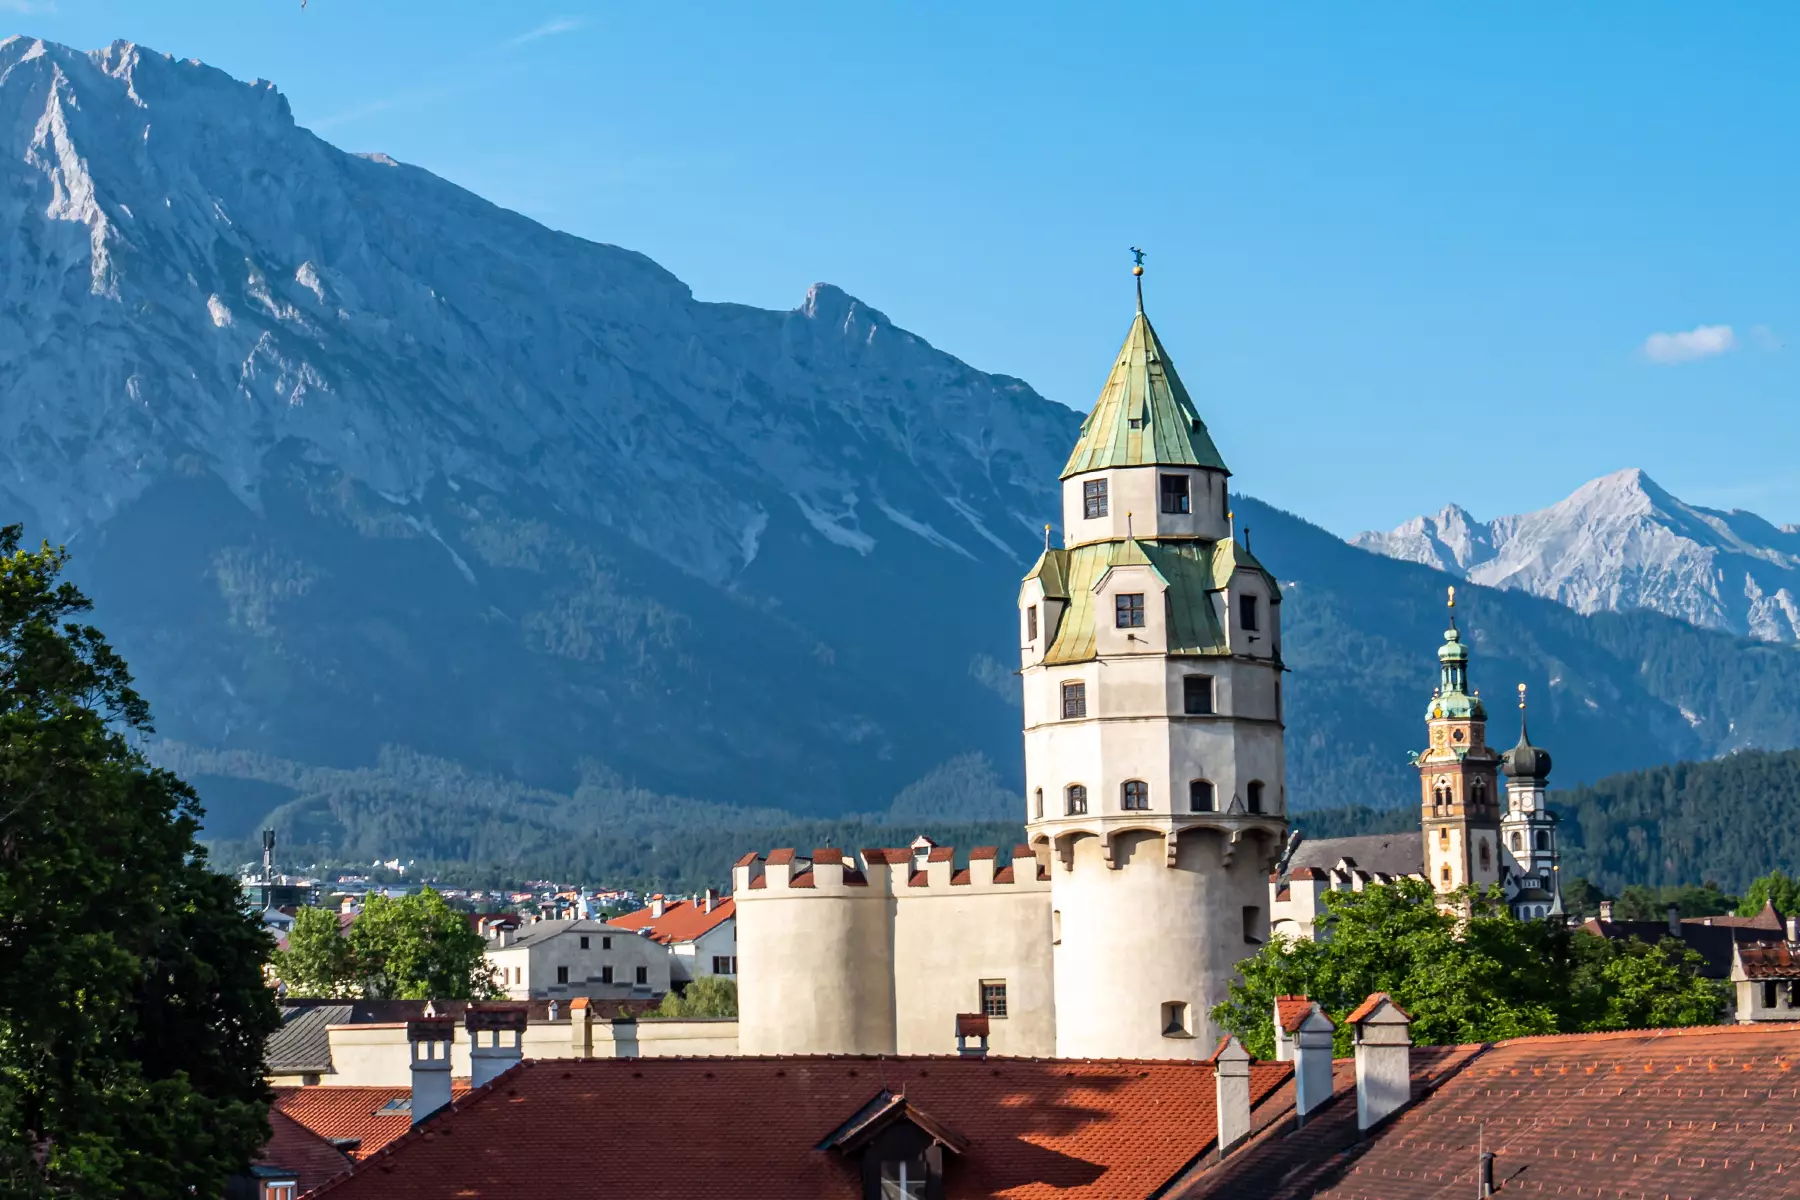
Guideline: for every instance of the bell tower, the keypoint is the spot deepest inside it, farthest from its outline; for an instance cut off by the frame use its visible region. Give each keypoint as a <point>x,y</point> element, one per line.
<point>1458,777</point>
<point>1532,874</point>
<point>1155,779</point>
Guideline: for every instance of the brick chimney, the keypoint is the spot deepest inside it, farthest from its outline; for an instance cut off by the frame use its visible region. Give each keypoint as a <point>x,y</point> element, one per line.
<point>429,1038</point>
<point>496,1038</point>
<point>1606,910</point>
<point>972,1035</point>
<point>1382,1033</point>
<point>1311,1037</point>
<point>1231,1074</point>
<point>1674,915</point>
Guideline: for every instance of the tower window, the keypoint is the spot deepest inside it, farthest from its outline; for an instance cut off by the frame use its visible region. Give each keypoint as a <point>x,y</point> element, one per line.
<point>1253,796</point>
<point>1444,874</point>
<point>1252,924</point>
<point>1076,797</point>
<point>1201,797</point>
<point>993,997</point>
<point>1478,792</point>
<point>1486,858</point>
<point>1128,610</point>
<point>1037,807</point>
<point>1443,839</point>
<point>1518,843</point>
<point>1137,795</point>
<point>1175,497</point>
<point>1031,623</point>
<point>1543,839</point>
<point>1247,616</point>
<point>1197,694</point>
<point>1093,498</point>
<point>1074,700</point>
<point>1177,1020</point>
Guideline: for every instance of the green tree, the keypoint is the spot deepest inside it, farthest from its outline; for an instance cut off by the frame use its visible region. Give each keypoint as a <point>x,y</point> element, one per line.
<point>1479,977</point>
<point>419,948</point>
<point>1777,887</point>
<point>708,996</point>
<point>318,960</point>
<point>133,1009</point>
<point>1641,903</point>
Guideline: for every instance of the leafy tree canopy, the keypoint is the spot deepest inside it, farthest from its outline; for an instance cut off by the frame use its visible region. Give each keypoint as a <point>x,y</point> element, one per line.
<point>707,996</point>
<point>1777,887</point>
<point>133,1009</point>
<point>413,948</point>
<point>1482,979</point>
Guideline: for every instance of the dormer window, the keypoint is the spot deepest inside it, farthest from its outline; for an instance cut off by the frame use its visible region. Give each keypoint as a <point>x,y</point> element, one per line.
<point>1031,623</point>
<point>1093,499</point>
<point>1175,495</point>
<point>1135,422</point>
<point>1247,613</point>
<point>1128,610</point>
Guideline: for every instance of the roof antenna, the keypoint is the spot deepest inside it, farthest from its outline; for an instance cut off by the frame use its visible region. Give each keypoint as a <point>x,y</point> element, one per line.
<point>1246,539</point>
<point>1137,269</point>
<point>1128,532</point>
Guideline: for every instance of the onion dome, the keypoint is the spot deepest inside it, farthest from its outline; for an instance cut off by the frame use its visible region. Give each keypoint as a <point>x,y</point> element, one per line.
<point>1525,761</point>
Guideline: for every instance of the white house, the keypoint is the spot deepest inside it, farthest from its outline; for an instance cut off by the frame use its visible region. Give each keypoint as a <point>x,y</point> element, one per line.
<point>564,959</point>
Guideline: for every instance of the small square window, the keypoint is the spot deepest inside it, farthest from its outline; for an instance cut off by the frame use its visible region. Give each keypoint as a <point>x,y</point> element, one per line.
<point>1074,698</point>
<point>1177,1019</point>
<point>1031,623</point>
<point>1128,610</point>
<point>643,974</point>
<point>1247,613</point>
<point>1093,498</point>
<point>1197,695</point>
<point>1135,422</point>
<point>1076,796</point>
<point>993,997</point>
<point>562,974</point>
<point>1175,495</point>
<point>584,941</point>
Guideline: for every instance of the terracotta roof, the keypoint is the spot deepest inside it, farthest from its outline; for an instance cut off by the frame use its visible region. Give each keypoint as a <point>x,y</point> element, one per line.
<point>942,854</point>
<point>368,1116</point>
<point>1370,1005</point>
<point>682,921</point>
<point>298,1152</point>
<point>748,858</point>
<point>971,1025</point>
<point>1770,960</point>
<point>891,855</point>
<point>1694,1113</point>
<point>984,852</point>
<point>1290,1011</point>
<point>785,855</point>
<point>1033,1129</point>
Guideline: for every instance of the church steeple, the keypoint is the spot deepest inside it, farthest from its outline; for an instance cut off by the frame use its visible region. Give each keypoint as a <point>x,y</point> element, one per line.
<point>1458,777</point>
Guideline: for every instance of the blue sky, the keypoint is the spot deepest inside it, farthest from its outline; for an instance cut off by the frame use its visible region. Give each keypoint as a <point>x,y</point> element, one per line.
<point>1403,254</point>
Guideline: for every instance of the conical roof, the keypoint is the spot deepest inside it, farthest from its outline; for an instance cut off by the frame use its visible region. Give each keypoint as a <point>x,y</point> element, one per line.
<point>1144,416</point>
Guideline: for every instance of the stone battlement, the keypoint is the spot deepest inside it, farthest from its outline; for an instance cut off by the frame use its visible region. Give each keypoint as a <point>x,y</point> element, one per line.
<point>893,870</point>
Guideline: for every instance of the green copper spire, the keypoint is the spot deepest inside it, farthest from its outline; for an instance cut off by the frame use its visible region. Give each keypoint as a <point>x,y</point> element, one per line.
<point>1144,416</point>
<point>1452,698</point>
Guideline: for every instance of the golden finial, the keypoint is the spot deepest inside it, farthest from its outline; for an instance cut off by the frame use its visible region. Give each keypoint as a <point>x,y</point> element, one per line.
<point>1521,695</point>
<point>1046,537</point>
<point>1452,590</point>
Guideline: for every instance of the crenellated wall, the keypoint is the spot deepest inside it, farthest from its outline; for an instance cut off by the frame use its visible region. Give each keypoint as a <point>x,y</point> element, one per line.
<point>876,953</point>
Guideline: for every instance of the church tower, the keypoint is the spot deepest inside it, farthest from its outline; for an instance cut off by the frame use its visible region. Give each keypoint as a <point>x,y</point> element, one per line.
<point>1528,830</point>
<point>1458,777</point>
<point>1155,783</point>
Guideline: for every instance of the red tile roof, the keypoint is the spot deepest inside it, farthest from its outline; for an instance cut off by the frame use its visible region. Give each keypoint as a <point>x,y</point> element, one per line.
<point>1291,1010</point>
<point>785,855</point>
<point>1370,1005</point>
<point>684,920</point>
<point>294,1148</point>
<point>1693,1113</point>
<point>335,1112</point>
<point>1770,960</point>
<point>1033,1129</point>
<point>984,852</point>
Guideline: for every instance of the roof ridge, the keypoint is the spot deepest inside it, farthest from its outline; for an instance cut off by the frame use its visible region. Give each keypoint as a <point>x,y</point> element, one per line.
<point>1656,1034</point>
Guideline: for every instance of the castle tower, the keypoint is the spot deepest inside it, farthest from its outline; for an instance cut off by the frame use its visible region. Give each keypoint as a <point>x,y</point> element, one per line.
<point>1155,785</point>
<point>1528,830</point>
<point>1458,777</point>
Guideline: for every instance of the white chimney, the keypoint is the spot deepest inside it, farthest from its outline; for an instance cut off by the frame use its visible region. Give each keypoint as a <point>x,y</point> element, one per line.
<point>496,1039</point>
<point>1312,1060</point>
<point>712,898</point>
<point>1793,928</point>
<point>1289,1010</point>
<point>1606,910</point>
<point>972,1035</point>
<point>1381,1030</point>
<point>657,907</point>
<point>430,1038</point>
<point>1231,1073</point>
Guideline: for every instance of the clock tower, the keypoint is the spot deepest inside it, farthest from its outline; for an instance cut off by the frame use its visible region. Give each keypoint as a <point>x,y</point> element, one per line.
<point>1458,777</point>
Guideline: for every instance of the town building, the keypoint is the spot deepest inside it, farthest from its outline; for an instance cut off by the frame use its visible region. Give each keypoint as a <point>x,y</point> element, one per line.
<point>1765,976</point>
<point>563,959</point>
<point>700,934</point>
<point>1155,783</point>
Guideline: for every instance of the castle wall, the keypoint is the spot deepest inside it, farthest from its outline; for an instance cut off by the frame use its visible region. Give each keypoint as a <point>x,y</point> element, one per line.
<point>1142,934</point>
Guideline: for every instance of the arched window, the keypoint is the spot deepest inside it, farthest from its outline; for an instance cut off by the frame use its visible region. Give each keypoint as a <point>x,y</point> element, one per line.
<point>1518,843</point>
<point>1076,795</point>
<point>1444,874</point>
<point>1443,839</point>
<point>1037,807</point>
<point>1137,794</point>
<point>1486,858</point>
<point>1253,796</point>
<point>1478,792</point>
<point>1543,839</point>
<point>1201,797</point>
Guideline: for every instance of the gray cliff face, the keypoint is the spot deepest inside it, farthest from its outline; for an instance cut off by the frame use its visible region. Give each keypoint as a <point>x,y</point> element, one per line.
<point>1618,543</point>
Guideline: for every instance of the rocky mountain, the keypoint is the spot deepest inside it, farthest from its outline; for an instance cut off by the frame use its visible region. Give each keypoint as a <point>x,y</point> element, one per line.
<point>433,531</point>
<point>1619,543</point>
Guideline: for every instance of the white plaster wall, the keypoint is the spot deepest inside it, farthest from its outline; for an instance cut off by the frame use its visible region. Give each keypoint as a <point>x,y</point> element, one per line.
<point>1137,490</point>
<point>377,1055</point>
<point>539,960</point>
<point>816,975</point>
<point>1143,934</point>
<point>948,940</point>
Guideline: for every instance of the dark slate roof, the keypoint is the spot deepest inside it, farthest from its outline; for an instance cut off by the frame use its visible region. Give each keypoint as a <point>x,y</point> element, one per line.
<point>300,1045</point>
<point>1713,942</point>
<point>542,931</point>
<point>1382,853</point>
